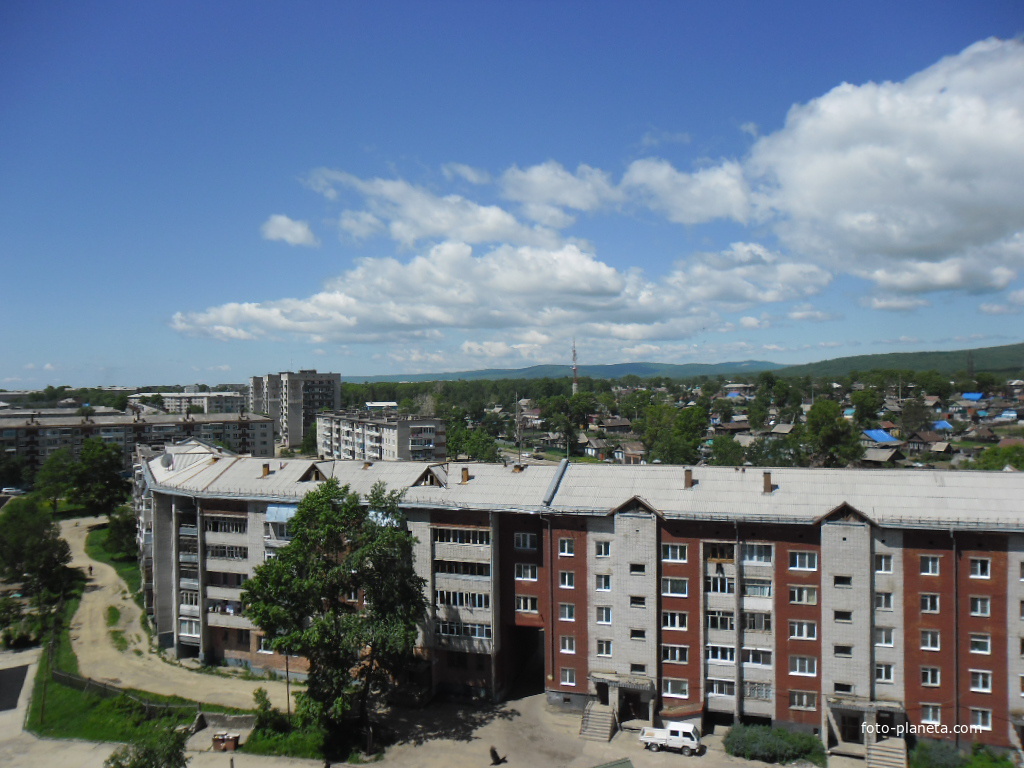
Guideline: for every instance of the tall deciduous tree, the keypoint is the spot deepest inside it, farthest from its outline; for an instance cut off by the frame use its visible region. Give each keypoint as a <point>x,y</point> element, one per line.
<point>53,480</point>
<point>96,478</point>
<point>31,549</point>
<point>300,599</point>
<point>831,438</point>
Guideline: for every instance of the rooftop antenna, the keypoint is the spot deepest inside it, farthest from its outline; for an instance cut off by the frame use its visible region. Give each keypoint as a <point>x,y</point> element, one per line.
<point>519,429</point>
<point>575,369</point>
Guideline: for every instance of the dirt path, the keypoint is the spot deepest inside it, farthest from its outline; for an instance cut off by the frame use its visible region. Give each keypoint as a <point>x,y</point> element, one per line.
<point>139,666</point>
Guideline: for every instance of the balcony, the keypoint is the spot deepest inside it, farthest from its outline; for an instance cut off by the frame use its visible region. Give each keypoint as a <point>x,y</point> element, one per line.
<point>188,557</point>
<point>188,610</point>
<point>188,530</point>
<point>191,584</point>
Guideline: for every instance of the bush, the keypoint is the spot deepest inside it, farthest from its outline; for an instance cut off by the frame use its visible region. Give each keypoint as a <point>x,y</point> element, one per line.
<point>773,745</point>
<point>936,754</point>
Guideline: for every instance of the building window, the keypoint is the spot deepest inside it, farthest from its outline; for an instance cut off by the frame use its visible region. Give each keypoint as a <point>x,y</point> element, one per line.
<point>264,645</point>
<point>638,669</point>
<point>675,587</point>
<point>637,601</point>
<point>981,681</point>
<point>929,565</point>
<point>721,585</point>
<point>757,691</point>
<point>603,582</point>
<point>568,644</point>
<point>981,643</point>
<point>604,614</point>
<point>757,553</point>
<point>526,572</point>
<point>756,621</point>
<point>567,580</point>
<point>721,687</point>
<point>803,630</point>
<point>883,563</point>
<point>806,666</point>
<point>981,568</point>
<point>930,640</point>
<point>673,620</point>
<point>884,636</point>
<point>931,714</point>
<point>637,569</point>
<point>842,581</point>
<point>757,657</point>
<point>883,673</point>
<point>931,676</point>
<point>568,676</point>
<point>929,603</point>
<point>638,634</point>
<point>458,629</point>
<point>803,561</point>
<point>604,647</point>
<point>602,548</point>
<point>803,595</point>
<point>673,553</point>
<point>721,620</point>
<point>757,587</point>
<point>462,536</point>
<point>674,688</point>
<point>462,599</point>
<point>526,604</point>
<point>981,719</point>
<point>566,612</point>
<point>843,651</point>
<point>849,688</point>
<point>676,654</point>
<point>188,627</point>
<point>722,653</point>
<point>843,616</point>
<point>525,540</point>
<point>883,601</point>
<point>803,700</point>
<point>566,548</point>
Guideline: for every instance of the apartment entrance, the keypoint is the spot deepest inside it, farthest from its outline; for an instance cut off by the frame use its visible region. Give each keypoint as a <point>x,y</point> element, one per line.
<point>526,675</point>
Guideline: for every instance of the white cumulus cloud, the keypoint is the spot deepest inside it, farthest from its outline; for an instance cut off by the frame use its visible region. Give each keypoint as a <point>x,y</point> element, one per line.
<point>280,227</point>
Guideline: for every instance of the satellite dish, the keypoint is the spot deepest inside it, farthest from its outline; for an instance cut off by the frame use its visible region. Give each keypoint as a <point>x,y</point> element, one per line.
<point>166,461</point>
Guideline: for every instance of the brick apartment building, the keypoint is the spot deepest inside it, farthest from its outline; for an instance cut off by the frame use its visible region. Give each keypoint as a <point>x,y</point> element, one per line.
<point>380,437</point>
<point>819,599</point>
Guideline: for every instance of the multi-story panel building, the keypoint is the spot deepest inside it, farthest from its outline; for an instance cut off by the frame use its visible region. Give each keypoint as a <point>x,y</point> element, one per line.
<point>824,600</point>
<point>36,437</point>
<point>379,437</point>
<point>203,402</point>
<point>294,399</point>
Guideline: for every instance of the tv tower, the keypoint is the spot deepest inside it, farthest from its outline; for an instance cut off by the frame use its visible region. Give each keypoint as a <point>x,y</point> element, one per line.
<point>575,369</point>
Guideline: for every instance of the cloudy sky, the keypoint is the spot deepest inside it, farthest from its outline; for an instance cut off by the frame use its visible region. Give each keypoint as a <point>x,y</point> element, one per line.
<point>205,192</point>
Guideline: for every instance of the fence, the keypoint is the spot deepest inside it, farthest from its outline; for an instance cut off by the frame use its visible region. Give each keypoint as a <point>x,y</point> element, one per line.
<point>107,691</point>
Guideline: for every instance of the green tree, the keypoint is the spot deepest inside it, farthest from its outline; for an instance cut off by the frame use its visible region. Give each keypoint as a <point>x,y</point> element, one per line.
<point>831,439</point>
<point>122,531</point>
<point>481,446</point>
<point>31,549</point>
<point>778,450</point>
<point>53,480</point>
<point>309,444</point>
<point>96,478</point>
<point>155,748</point>
<point>866,404</point>
<point>914,417</point>
<point>673,436</point>
<point>996,458</point>
<point>726,452</point>
<point>300,599</point>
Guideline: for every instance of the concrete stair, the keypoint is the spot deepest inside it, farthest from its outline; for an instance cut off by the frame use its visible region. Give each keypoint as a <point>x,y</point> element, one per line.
<point>598,722</point>
<point>887,753</point>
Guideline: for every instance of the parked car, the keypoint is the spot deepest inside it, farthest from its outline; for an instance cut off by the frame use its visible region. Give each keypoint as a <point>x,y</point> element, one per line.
<point>682,737</point>
<point>11,492</point>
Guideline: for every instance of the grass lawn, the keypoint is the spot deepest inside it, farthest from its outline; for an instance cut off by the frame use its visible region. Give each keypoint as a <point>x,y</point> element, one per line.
<point>127,567</point>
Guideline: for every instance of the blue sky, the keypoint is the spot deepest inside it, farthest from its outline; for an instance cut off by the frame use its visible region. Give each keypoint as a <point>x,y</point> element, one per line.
<point>201,192</point>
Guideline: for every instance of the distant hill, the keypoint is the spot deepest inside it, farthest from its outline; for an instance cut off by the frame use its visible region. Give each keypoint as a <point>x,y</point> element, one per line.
<point>1005,359</point>
<point>615,371</point>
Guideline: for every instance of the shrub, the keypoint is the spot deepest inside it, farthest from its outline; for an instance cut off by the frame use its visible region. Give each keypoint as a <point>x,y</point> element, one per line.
<point>773,745</point>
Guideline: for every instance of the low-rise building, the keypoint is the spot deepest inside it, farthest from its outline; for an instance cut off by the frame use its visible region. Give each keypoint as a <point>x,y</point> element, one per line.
<point>204,402</point>
<point>380,436</point>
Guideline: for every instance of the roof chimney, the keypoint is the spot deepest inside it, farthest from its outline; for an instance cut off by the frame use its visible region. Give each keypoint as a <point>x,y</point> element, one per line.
<point>690,482</point>
<point>517,468</point>
<point>768,487</point>
<point>465,475</point>
<point>367,464</point>
<point>266,470</point>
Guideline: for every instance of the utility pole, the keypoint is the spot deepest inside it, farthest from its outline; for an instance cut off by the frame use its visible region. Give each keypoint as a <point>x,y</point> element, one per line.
<point>575,369</point>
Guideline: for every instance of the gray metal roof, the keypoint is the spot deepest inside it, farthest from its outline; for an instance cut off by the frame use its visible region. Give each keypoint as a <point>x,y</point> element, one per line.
<point>889,497</point>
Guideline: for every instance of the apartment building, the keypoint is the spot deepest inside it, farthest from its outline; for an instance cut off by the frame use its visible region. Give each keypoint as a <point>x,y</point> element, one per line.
<point>294,399</point>
<point>206,402</point>
<point>819,599</point>
<point>379,437</point>
<point>36,437</point>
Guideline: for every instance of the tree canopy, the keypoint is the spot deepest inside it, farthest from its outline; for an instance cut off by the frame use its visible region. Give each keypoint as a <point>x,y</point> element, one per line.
<point>302,599</point>
<point>31,548</point>
<point>96,481</point>
<point>832,440</point>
